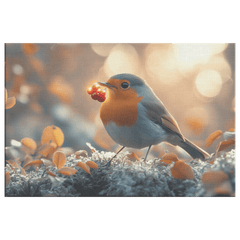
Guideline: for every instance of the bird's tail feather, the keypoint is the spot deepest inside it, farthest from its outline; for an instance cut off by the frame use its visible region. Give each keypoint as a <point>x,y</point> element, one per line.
<point>193,150</point>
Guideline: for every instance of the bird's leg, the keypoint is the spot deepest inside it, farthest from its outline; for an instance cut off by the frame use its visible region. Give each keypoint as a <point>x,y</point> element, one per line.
<point>109,162</point>
<point>147,153</point>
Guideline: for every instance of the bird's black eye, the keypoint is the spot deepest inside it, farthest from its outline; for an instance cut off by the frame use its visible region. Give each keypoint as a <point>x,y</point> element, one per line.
<point>125,85</point>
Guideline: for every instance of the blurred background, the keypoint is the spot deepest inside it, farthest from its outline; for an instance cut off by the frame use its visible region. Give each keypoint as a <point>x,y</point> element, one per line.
<point>196,83</point>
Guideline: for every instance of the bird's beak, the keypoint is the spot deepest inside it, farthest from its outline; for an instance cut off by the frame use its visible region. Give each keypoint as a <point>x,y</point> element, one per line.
<point>106,84</point>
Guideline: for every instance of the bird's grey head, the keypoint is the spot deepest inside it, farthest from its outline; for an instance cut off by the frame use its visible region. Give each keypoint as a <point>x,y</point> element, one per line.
<point>135,81</point>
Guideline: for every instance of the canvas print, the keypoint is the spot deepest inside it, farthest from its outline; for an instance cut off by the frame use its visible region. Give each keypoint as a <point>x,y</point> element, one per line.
<point>120,120</point>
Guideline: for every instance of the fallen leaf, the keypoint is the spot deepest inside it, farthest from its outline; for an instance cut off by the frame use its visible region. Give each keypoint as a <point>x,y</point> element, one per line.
<point>168,158</point>
<point>14,163</point>
<point>133,157</point>
<point>224,188</point>
<point>224,145</point>
<point>7,178</point>
<point>35,162</point>
<point>84,166</point>
<point>47,149</point>
<point>67,171</point>
<point>30,144</point>
<point>181,170</point>
<point>213,137</point>
<point>59,158</point>
<point>54,134</point>
<point>10,102</point>
<point>231,130</point>
<point>214,177</point>
<point>51,174</point>
<point>81,153</point>
<point>92,164</point>
<point>27,159</point>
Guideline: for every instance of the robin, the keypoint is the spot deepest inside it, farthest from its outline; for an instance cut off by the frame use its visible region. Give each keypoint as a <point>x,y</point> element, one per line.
<point>135,117</point>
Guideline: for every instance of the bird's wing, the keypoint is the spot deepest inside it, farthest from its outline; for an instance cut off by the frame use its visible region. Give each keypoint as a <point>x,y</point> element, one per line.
<point>157,112</point>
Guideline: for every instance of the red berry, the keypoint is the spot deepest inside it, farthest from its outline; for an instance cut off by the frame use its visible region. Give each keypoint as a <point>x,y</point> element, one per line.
<point>95,87</point>
<point>94,96</point>
<point>100,99</point>
<point>90,90</point>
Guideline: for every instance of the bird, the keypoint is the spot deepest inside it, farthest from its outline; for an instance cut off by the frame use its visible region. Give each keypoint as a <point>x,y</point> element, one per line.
<point>135,117</point>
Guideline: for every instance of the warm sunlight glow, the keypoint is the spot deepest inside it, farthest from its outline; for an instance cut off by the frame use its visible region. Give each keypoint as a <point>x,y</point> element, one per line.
<point>122,59</point>
<point>102,49</point>
<point>209,83</point>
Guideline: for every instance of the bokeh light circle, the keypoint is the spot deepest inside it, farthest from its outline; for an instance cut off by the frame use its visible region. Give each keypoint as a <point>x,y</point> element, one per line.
<point>209,83</point>
<point>102,49</point>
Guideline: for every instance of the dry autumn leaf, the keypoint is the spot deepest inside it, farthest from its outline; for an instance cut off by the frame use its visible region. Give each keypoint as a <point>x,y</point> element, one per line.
<point>54,134</point>
<point>29,145</point>
<point>181,170</point>
<point>213,137</point>
<point>81,153</point>
<point>168,158</point>
<point>224,145</point>
<point>214,177</point>
<point>14,163</point>
<point>223,189</point>
<point>92,164</point>
<point>35,162</point>
<point>84,166</point>
<point>59,158</point>
<point>7,178</point>
<point>47,149</point>
<point>133,157</point>
<point>67,171</point>
<point>51,173</point>
<point>10,102</point>
<point>27,159</point>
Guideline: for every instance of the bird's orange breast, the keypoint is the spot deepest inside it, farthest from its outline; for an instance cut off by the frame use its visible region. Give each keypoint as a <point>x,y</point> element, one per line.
<point>120,108</point>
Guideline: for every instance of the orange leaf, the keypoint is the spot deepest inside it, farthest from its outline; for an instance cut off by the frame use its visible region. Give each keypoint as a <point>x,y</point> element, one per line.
<point>51,173</point>
<point>27,159</point>
<point>67,171</point>
<point>133,157</point>
<point>231,130</point>
<point>54,134</point>
<point>35,162</point>
<point>59,158</point>
<point>214,177</point>
<point>6,96</point>
<point>14,163</point>
<point>47,149</point>
<point>213,137</point>
<point>224,145</point>
<point>168,158</point>
<point>92,164</point>
<point>7,178</point>
<point>181,170</point>
<point>224,189</point>
<point>30,144</point>
<point>10,102</point>
<point>81,153</point>
<point>84,166</point>
<point>30,48</point>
